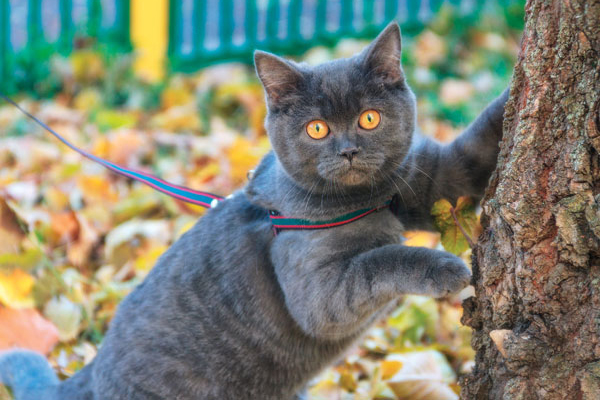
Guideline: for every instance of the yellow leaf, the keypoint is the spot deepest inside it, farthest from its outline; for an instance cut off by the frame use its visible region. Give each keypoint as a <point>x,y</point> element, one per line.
<point>96,189</point>
<point>25,259</point>
<point>243,156</point>
<point>15,289</point>
<point>88,99</point>
<point>348,381</point>
<point>325,388</point>
<point>176,96</point>
<point>113,119</point>
<point>87,66</point>
<point>390,368</point>
<point>146,261</point>
<point>206,173</point>
<point>186,227</point>
<point>421,239</point>
<point>56,199</point>
<point>180,118</point>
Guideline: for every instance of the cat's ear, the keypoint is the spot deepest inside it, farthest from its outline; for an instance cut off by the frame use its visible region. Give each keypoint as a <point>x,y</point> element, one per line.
<point>382,56</point>
<point>279,77</point>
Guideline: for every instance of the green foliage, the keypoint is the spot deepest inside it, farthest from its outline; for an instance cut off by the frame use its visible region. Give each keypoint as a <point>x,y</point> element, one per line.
<point>453,222</point>
<point>416,319</point>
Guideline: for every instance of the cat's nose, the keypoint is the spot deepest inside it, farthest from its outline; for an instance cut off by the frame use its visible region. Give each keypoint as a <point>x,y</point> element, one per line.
<point>348,152</point>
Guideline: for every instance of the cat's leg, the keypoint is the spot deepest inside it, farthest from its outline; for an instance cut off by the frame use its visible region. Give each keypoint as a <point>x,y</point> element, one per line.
<point>332,298</point>
<point>432,171</point>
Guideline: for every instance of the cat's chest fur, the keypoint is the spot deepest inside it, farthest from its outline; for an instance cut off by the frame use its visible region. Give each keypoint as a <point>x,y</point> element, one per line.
<point>223,314</point>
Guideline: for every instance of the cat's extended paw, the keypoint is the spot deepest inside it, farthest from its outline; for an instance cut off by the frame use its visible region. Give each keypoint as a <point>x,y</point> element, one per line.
<point>449,275</point>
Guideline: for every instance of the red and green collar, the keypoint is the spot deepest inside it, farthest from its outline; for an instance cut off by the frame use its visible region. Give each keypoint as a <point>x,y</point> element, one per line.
<point>281,222</point>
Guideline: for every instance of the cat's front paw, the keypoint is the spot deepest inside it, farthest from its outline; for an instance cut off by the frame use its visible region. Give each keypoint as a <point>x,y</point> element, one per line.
<point>449,275</point>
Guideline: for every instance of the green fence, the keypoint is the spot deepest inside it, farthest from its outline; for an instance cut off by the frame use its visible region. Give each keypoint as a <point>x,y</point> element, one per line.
<point>32,31</point>
<point>202,32</point>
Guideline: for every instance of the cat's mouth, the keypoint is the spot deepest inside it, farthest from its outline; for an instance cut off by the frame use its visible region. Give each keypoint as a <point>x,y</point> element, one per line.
<point>350,174</point>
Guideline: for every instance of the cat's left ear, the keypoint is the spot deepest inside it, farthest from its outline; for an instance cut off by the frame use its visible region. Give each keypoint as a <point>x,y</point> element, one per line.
<point>382,56</point>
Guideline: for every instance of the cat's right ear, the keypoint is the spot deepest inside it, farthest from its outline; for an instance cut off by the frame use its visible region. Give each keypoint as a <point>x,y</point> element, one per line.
<point>382,56</point>
<point>279,77</point>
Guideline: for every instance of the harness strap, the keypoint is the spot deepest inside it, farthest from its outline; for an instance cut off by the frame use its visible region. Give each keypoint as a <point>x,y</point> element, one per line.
<point>204,199</point>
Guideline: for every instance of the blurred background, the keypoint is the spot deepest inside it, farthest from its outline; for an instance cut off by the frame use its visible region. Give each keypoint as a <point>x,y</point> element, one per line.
<point>168,87</point>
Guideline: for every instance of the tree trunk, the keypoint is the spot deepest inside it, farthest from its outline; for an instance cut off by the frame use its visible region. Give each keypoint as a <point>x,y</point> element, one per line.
<point>536,314</point>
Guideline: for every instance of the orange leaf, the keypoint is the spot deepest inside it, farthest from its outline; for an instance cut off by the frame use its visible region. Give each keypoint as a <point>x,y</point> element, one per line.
<point>26,329</point>
<point>65,226</point>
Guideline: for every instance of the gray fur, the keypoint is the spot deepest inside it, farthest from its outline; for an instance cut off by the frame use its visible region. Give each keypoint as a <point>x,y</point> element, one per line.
<point>231,311</point>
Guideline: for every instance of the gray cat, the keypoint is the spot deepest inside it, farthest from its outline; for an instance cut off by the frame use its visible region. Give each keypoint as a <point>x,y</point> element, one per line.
<point>234,311</point>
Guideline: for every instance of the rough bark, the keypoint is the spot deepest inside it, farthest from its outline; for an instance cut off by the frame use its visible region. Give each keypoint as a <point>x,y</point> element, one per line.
<point>536,314</point>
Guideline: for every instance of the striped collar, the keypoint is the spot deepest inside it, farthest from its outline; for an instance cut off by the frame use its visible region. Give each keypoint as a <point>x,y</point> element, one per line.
<point>281,222</point>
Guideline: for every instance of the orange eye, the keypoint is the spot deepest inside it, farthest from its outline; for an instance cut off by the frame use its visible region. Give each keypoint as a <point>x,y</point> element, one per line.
<point>317,129</point>
<point>369,119</point>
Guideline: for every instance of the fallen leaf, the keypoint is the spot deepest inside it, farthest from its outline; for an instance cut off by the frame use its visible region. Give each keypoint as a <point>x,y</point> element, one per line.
<point>157,230</point>
<point>176,95</point>
<point>180,118</point>
<point>148,258</point>
<point>243,156</point>
<point>65,315</point>
<point>26,329</point>
<point>87,66</point>
<point>26,259</point>
<point>421,239</point>
<point>11,229</point>
<point>425,375</point>
<point>389,368</point>
<point>96,189</point>
<point>65,226</point>
<point>88,99</point>
<point>114,119</point>
<point>15,289</point>
<point>79,250</point>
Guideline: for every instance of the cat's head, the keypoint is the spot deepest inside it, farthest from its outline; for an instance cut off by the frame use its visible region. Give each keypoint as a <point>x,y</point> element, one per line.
<point>346,122</point>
